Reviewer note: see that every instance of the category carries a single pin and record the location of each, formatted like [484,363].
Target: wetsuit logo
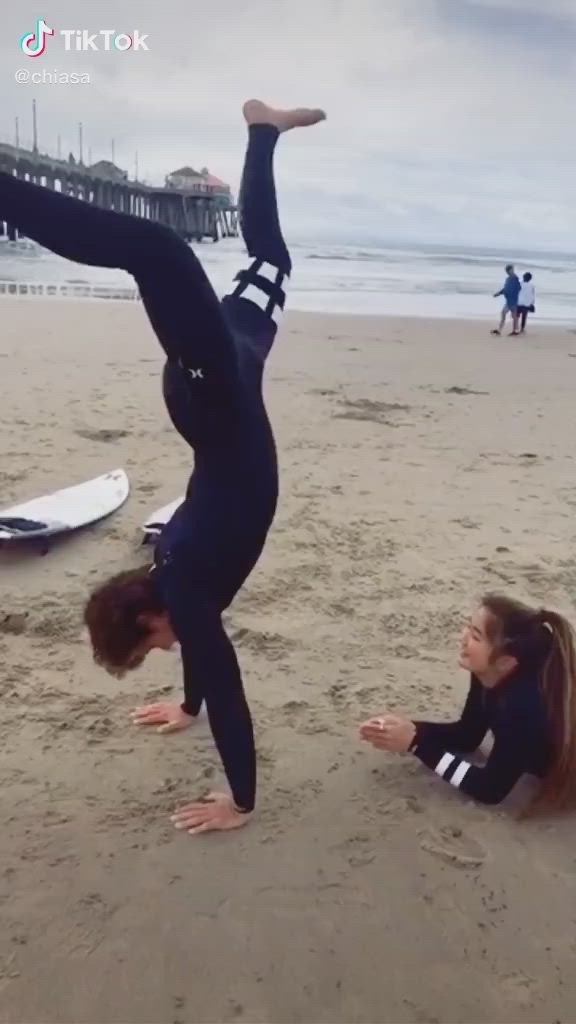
[33,44]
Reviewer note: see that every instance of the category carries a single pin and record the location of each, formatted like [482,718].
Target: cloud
[452,118]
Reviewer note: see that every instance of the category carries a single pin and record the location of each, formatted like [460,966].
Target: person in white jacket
[526,301]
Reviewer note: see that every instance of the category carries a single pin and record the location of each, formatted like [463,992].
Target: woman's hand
[390,732]
[169,717]
[217,813]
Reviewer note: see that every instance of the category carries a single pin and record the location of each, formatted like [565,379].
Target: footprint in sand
[340,608]
[455,390]
[12,478]
[14,623]
[296,707]
[452,845]
[272,645]
[102,435]
[519,989]
[420,1014]
[399,807]
[99,730]
[370,411]
[60,624]
[298,714]
[467,523]
[358,850]
[338,694]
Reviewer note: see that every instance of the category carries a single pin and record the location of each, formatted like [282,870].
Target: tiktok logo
[33,44]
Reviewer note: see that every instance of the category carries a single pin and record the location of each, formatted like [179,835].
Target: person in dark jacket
[511,291]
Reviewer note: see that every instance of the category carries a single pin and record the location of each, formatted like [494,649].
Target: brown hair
[545,640]
[112,613]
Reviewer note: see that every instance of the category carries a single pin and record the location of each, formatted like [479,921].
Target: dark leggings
[190,323]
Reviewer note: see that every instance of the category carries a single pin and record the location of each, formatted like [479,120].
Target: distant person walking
[510,290]
[526,301]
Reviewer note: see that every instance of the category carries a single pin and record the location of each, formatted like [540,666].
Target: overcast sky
[448,120]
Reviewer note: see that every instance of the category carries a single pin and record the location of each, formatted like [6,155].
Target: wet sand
[422,463]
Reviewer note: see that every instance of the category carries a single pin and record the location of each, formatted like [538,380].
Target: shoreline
[37,291]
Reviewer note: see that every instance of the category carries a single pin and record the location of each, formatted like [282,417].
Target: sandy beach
[423,462]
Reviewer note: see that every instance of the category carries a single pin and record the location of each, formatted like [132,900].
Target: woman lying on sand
[523,689]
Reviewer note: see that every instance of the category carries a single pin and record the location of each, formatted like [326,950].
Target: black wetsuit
[515,712]
[212,385]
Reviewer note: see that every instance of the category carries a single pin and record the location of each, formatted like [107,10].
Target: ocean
[424,281]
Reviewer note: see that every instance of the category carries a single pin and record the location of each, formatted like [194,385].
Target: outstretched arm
[212,674]
[464,735]
[490,784]
[440,746]
[211,671]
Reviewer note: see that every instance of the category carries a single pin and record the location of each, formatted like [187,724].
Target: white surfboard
[157,521]
[65,510]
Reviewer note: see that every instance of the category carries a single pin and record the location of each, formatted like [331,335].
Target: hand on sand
[217,813]
[390,732]
[168,717]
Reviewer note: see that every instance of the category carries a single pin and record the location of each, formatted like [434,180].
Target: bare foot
[256,112]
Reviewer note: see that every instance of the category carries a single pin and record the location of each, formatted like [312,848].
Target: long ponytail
[545,640]
[559,688]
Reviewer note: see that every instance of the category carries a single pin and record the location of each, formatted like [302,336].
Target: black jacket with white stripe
[515,713]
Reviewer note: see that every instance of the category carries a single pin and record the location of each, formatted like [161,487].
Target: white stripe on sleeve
[444,764]
[459,774]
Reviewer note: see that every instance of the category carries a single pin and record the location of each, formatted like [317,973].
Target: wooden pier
[194,217]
